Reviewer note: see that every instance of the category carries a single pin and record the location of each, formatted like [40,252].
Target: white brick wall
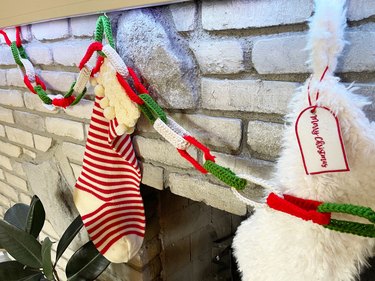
[247,95]
[69,53]
[39,54]
[5,162]
[19,136]
[6,115]
[10,149]
[286,54]
[219,57]
[226,14]
[11,98]
[247,60]
[64,128]
[51,30]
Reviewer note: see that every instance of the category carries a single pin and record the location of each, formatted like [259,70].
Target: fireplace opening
[185,240]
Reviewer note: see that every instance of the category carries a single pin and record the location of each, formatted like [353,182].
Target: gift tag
[320,141]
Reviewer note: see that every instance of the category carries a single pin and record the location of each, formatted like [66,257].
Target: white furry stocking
[272,245]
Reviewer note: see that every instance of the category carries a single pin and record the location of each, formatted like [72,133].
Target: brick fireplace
[225,70]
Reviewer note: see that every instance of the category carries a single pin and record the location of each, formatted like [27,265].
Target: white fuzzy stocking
[272,245]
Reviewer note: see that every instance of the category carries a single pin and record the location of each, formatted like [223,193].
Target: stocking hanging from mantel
[291,238]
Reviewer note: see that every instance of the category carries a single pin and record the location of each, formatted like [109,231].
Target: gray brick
[360,9]
[5,162]
[59,81]
[3,79]
[211,194]
[14,78]
[219,57]
[11,98]
[20,136]
[39,53]
[183,16]
[8,191]
[10,149]
[162,152]
[16,181]
[280,55]
[56,29]
[265,138]
[6,55]
[29,120]
[6,115]
[70,53]
[226,14]
[219,132]
[83,26]
[153,176]
[64,128]
[73,151]
[247,95]
[287,55]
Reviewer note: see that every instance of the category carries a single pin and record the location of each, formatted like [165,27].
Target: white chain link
[258,181]
[82,80]
[116,61]
[172,132]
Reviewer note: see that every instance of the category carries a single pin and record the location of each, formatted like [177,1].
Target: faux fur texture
[271,245]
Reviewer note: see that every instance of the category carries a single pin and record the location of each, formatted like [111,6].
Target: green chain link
[22,52]
[361,229]
[71,90]
[79,97]
[16,53]
[225,175]
[42,94]
[103,26]
[366,230]
[154,109]
[148,114]
[359,211]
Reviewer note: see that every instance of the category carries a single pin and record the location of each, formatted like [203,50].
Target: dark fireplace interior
[185,240]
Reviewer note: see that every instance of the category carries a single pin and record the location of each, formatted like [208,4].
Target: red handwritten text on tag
[320,142]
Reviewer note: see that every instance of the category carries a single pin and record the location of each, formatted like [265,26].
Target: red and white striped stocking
[107,192]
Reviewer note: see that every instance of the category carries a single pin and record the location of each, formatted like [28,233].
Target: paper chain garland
[315,211]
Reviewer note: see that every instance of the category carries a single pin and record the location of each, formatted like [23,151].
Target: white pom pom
[130,130]
[99,91]
[109,113]
[93,81]
[104,102]
[121,129]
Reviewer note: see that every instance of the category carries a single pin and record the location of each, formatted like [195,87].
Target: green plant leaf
[20,245]
[35,217]
[46,258]
[17,214]
[68,236]
[36,277]
[15,271]
[86,264]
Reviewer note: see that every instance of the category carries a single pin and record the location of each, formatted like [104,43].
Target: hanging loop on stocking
[313,102]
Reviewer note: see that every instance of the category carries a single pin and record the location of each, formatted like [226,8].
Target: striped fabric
[111,174]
